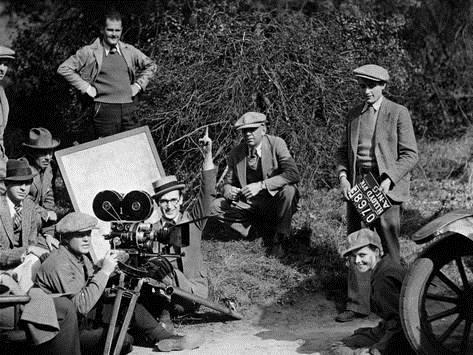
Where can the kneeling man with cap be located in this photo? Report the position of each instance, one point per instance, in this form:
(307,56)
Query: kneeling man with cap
(70,270)
(365,251)
(259,186)
(379,139)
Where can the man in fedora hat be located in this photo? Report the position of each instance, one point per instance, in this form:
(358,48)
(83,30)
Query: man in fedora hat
(20,225)
(39,152)
(112,73)
(379,139)
(191,274)
(70,270)
(6,56)
(365,250)
(260,184)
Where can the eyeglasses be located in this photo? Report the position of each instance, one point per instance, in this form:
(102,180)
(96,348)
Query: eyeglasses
(172,202)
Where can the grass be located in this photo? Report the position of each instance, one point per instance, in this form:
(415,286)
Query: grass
(239,269)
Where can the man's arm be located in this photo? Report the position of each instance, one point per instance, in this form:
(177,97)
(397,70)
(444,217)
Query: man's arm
(407,148)
(145,66)
(71,67)
(10,258)
(231,185)
(289,173)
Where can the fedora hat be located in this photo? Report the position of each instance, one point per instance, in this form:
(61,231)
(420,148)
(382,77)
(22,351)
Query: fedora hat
(18,170)
(166,184)
(41,138)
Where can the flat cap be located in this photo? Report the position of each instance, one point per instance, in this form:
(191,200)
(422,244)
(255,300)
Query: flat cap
(6,53)
(250,119)
(372,72)
(76,222)
(360,239)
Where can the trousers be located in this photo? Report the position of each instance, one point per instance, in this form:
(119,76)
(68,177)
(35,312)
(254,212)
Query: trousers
(111,119)
(273,211)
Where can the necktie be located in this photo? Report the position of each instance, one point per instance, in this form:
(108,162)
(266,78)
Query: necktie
(113,50)
(252,159)
(17,217)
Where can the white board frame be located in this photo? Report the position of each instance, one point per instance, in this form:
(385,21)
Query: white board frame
(123,162)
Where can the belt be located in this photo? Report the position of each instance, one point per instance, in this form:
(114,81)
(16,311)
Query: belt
(363,170)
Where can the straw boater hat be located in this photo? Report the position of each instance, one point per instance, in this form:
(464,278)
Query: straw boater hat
(360,239)
(372,72)
(6,53)
(41,138)
(165,185)
(18,170)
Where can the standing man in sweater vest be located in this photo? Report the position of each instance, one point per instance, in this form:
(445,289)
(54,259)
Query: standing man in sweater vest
(112,73)
(379,139)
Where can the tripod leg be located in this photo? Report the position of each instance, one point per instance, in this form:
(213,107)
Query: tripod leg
(126,321)
(113,320)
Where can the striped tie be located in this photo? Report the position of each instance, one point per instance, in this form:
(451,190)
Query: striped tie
(17,217)
(252,159)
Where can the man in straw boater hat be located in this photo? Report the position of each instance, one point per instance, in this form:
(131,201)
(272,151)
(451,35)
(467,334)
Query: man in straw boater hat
(379,139)
(39,152)
(260,184)
(70,270)
(387,338)
(6,57)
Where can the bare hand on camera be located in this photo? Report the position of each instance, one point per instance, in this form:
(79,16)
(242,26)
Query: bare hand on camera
(110,262)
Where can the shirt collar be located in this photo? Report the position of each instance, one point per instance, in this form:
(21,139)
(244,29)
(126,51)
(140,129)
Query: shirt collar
(11,206)
(376,105)
(108,48)
(258,149)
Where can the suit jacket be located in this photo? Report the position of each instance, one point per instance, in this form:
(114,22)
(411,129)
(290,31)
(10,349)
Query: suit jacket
(395,147)
(279,168)
(82,68)
(4,110)
(41,192)
(10,256)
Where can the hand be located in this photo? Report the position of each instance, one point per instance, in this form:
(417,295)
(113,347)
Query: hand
(251,190)
(135,89)
(345,186)
(52,216)
(363,351)
(231,192)
(110,262)
(386,185)
(91,91)
(206,143)
(52,242)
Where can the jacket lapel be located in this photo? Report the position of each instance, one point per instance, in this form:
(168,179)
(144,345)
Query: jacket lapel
(25,223)
(4,104)
(355,131)
(98,53)
(381,121)
(6,219)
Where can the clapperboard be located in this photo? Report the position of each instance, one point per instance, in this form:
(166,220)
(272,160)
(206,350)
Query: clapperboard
(368,199)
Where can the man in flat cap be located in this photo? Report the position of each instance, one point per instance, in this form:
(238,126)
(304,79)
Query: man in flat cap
(379,139)
(366,252)
(70,270)
(6,57)
(190,273)
(112,73)
(260,184)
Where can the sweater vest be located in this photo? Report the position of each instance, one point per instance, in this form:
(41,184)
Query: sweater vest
(113,81)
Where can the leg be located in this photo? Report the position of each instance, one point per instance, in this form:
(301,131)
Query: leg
(67,340)
(389,229)
(235,214)
(358,282)
(107,119)
(129,119)
(284,202)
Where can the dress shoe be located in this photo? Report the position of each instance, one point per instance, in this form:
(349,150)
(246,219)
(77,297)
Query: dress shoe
(348,316)
(179,342)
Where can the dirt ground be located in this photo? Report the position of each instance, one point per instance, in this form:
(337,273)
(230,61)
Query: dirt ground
(304,327)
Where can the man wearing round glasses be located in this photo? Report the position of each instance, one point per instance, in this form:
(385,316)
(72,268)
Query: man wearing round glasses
(190,275)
